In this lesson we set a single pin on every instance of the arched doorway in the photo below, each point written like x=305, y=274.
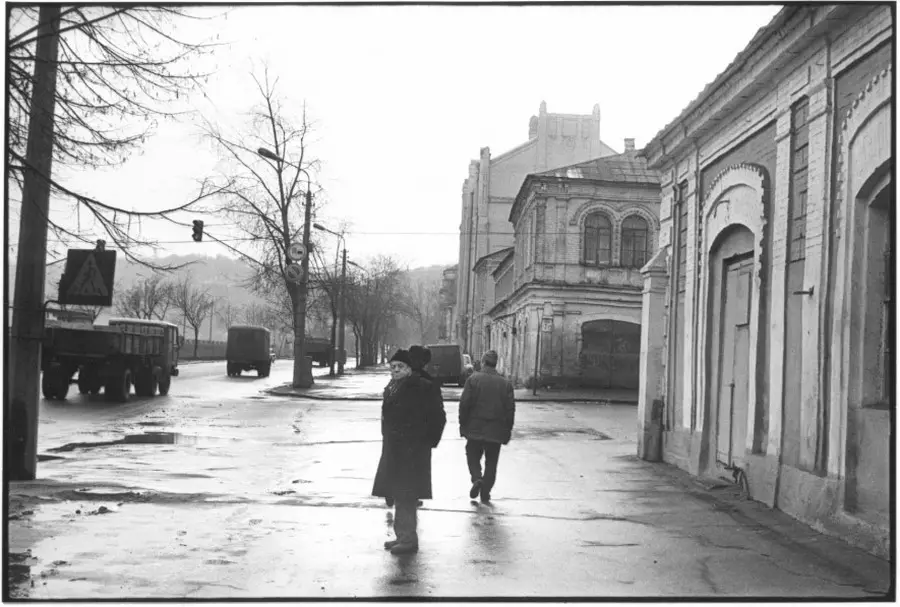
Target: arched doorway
x=731, y=261
x=610, y=354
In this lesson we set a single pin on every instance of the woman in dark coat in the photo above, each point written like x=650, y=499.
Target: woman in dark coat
x=412, y=424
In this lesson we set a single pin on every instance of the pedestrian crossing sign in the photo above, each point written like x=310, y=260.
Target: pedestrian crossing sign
x=88, y=278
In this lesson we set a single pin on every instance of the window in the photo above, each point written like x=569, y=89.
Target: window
x=635, y=237
x=538, y=234
x=681, y=210
x=529, y=241
x=887, y=325
x=597, y=240
x=799, y=171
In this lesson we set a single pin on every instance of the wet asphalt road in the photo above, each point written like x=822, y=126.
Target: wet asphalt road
x=221, y=491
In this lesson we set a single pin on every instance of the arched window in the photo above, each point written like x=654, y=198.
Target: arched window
x=635, y=241
x=597, y=240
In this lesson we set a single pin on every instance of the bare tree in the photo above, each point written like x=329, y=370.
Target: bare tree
x=374, y=301
x=194, y=303
x=230, y=314
x=119, y=70
x=267, y=202
x=257, y=315
x=148, y=298
x=424, y=308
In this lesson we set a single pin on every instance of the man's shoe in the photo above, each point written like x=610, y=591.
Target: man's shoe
x=389, y=502
x=476, y=489
x=390, y=544
x=485, y=497
x=404, y=548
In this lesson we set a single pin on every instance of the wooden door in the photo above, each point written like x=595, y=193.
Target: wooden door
x=734, y=360
x=610, y=354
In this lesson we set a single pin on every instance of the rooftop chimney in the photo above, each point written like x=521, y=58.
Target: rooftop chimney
x=629, y=145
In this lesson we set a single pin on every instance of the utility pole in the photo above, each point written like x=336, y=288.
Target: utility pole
x=302, y=373
x=334, y=321
x=341, y=313
x=21, y=411
x=212, y=316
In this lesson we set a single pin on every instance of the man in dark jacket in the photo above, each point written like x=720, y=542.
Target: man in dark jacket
x=409, y=428
x=487, y=410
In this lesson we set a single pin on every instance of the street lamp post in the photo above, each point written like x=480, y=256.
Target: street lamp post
x=302, y=371
x=341, y=297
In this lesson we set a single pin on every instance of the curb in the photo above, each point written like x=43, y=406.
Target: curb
x=275, y=392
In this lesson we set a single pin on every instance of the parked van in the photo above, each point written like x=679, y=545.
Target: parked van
x=447, y=366
x=248, y=348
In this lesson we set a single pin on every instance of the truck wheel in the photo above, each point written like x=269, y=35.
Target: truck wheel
x=145, y=382
x=119, y=387
x=165, y=381
x=47, y=386
x=55, y=383
x=263, y=370
x=85, y=380
x=140, y=383
x=232, y=371
x=152, y=383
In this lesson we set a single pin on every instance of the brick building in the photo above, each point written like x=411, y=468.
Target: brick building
x=767, y=308
x=554, y=140
x=567, y=296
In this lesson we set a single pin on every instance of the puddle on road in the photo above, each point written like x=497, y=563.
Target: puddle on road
x=146, y=438
x=559, y=433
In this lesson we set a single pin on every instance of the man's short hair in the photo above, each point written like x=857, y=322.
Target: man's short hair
x=489, y=358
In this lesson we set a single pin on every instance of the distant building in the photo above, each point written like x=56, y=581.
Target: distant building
x=447, y=305
x=768, y=308
x=554, y=140
x=567, y=296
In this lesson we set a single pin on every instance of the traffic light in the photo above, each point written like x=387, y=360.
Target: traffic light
x=198, y=230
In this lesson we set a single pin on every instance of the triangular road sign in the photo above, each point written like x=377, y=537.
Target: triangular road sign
x=89, y=281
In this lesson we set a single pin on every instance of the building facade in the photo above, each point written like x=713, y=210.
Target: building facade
x=567, y=296
x=767, y=308
x=554, y=140
x=447, y=305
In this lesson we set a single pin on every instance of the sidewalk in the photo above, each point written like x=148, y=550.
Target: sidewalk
x=363, y=384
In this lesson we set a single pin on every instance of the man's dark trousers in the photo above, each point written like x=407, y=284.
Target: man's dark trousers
x=491, y=452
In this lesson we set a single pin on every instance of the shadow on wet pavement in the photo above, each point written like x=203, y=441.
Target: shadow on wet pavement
x=147, y=438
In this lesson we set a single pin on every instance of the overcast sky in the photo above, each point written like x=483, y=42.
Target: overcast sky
x=404, y=97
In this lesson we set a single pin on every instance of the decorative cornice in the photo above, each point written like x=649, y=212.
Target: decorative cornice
x=877, y=93
x=753, y=216
x=748, y=173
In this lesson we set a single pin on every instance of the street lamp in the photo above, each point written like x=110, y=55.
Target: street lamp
x=340, y=346
x=302, y=372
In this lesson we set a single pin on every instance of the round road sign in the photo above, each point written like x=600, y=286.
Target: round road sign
x=294, y=273
x=296, y=251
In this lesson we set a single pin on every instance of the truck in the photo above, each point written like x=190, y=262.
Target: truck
x=127, y=352
x=249, y=347
x=319, y=349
